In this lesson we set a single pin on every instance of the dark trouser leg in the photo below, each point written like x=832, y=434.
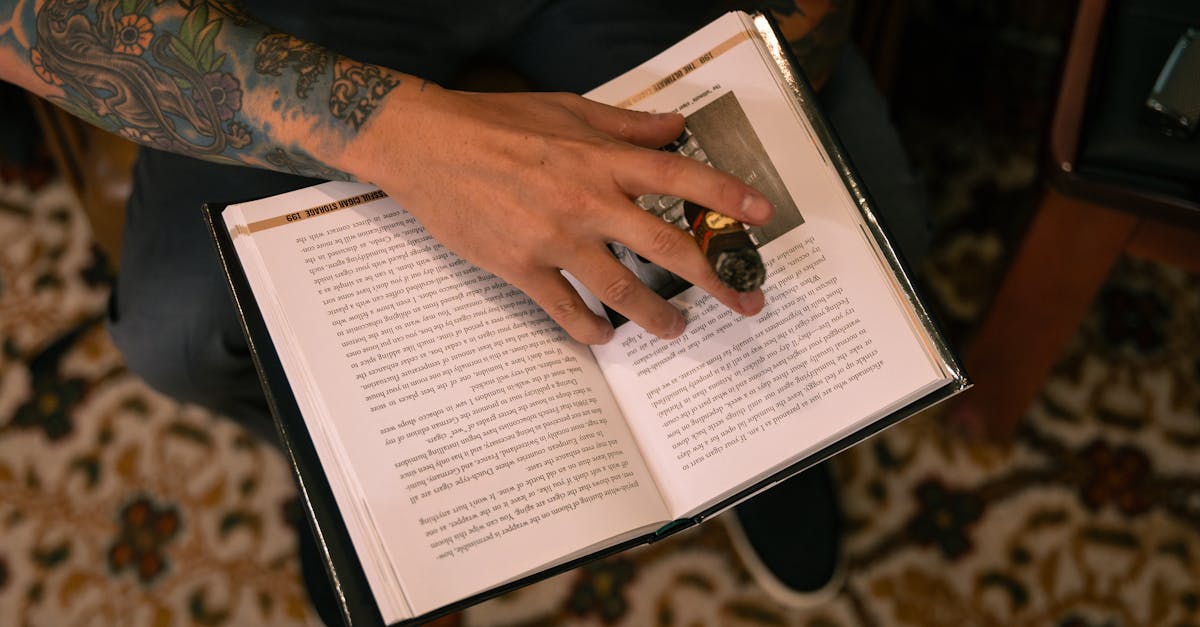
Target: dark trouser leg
x=859, y=115
x=171, y=314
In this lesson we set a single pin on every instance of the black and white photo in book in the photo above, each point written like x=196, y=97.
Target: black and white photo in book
x=719, y=134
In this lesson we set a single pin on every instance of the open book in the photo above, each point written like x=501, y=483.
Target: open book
x=452, y=442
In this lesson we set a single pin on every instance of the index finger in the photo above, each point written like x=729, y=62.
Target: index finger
x=658, y=172
x=669, y=247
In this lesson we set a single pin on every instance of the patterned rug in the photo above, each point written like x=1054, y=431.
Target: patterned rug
x=121, y=507
x=117, y=505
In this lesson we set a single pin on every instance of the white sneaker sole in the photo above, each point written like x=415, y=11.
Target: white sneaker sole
x=770, y=584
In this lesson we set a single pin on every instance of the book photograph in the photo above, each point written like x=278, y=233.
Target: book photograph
x=718, y=134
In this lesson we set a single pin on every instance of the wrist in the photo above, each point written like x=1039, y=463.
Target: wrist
x=379, y=147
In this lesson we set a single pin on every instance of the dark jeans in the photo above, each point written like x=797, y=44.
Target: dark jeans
x=171, y=313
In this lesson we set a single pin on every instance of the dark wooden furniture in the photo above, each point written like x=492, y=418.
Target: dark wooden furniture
x=97, y=165
x=1096, y=208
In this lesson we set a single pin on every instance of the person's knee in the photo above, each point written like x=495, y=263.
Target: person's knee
x=154, y=348
x=179, y=344
x=192, y=360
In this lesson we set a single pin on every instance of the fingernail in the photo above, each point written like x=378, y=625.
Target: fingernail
x=750, y=302
x=676, y=329
x=756, y=207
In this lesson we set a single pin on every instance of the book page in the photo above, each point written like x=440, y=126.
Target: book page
x=735, y=398
x=481, y=440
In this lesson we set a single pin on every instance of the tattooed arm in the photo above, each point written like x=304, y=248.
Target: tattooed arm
x=205, y=81
x=546, y=183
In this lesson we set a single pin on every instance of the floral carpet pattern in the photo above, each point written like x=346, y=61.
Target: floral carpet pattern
x=120, y=507
x=117, y=505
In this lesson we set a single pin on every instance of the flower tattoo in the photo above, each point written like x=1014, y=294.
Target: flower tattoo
x=225, y=92
x=133, y=34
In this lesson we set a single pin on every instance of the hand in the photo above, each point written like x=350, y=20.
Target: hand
x=523, y=185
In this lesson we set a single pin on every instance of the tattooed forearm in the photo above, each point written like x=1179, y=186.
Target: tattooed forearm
x=198, y=77
x=355, y=91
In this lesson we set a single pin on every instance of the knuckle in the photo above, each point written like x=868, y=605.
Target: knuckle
x=545, y=238
x=586, y=150
x=668, y=167
x=570, y=202
x=576, y=319
x=565, y=309
x=556, y=98
x=519, y=266
x=729, y=191
x=619, y=290
x=667, y=241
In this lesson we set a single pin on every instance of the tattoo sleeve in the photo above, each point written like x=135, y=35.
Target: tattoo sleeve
x=196, y=77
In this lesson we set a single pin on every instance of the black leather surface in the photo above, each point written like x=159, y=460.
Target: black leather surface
x=1118, y=145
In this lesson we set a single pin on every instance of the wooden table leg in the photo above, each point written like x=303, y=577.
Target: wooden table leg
x=1067, y=253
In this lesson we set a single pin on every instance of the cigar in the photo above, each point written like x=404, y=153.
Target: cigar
x=728, y=247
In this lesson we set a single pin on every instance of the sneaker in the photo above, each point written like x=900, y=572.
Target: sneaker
x=789, y=538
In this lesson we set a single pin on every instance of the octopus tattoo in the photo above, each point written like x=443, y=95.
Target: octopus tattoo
x=276, y=51
x=106, y=66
